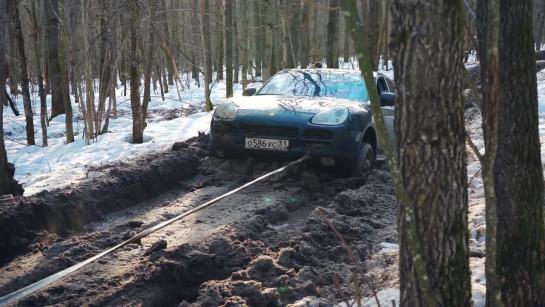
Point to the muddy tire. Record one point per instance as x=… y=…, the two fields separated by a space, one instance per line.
x=364 y=162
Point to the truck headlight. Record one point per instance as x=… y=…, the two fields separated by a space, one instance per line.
x=226 y=111
x=332 y=117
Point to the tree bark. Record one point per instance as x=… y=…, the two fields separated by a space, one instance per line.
x=205 y=36
x=228 y=48
x=332 y=34
x=14 y=8
x=148 y=64
x=134 y=61
x=53 y=65
x=196 y=39
x=259 y=37
x=164 y=17
x=105 y=68
x=373 y=28
x=245 y=41
x=65 y=91
x=8 y=185
x=518 y=173
x=305 y=33
x=220 y=26
x=41 y=89
x=431 y=150
x=236 y=61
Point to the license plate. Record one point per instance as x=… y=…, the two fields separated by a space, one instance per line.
x=267 y=144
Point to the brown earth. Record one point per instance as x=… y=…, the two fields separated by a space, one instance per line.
x=268 y=245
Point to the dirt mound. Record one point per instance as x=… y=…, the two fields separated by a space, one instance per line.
x=312 y=262
x=114 y=187
x=10 y=185
x=268 y=245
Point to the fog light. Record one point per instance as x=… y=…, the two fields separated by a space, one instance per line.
x=326 y=161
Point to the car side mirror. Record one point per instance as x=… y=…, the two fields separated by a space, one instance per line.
x=387 y=99
x=249 y=91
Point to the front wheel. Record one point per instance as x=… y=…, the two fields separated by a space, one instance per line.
x=364 y=161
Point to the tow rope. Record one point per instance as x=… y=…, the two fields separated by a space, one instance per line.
x=19 y=294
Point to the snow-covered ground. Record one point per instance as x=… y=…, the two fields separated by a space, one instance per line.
x=59 y=164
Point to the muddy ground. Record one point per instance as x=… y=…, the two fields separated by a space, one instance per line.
x=269 y=245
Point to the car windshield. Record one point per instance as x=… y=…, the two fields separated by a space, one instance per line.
x=317 y=83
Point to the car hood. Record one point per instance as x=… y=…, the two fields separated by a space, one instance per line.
x=310 y=105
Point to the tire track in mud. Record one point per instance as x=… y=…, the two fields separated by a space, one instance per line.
x=235 y=246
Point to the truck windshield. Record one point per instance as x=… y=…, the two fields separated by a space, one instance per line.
x=318 y=83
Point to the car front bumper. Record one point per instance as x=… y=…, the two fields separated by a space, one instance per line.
x=337 y=142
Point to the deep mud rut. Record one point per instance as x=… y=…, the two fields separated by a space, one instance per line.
x=268 y=245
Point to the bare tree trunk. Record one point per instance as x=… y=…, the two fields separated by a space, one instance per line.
x=236 y=61
x=220 y=27
x=245 y=42
x=355 y=25
x=260 y=36
x=105 y=68
x=431 y=149
x=8 y=185
x=196 y=39
x=53 y=65
x=164 y=21
x=134 y=61
x=518 y=173
x=205 y=35
x=305 y=33
x=373 y=30
x=89 y=106
x=41 y=89
x=65 y=91
x=489 y=37
x=228 y=48
x=346 y=48
x=332 y=34
x=14 y=8
x=148 y=63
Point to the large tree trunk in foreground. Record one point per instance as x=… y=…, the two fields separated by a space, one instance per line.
x=8 y=185
x=431 y=150
x=53 y=65
x=520 y=254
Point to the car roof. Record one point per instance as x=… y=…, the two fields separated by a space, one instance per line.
x=333 y=70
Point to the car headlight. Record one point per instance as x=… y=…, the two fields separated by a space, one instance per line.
x=226 y=111
x=332 y=117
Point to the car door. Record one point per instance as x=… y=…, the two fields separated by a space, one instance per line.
x=385 y=85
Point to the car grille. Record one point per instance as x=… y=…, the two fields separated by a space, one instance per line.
x=273 y=131
x=318 y=134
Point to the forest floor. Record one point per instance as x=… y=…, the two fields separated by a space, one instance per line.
x=266 y=246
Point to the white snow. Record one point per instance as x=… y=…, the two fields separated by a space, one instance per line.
x=59 y=164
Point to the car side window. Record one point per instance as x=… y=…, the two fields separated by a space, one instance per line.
x=382 y=86
x=391 y=85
